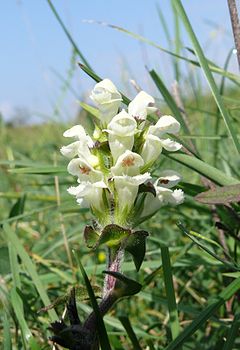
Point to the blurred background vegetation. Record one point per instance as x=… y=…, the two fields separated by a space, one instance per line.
x=43 y=223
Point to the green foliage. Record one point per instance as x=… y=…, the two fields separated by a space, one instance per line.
x=189 y=276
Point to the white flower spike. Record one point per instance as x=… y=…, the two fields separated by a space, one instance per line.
x=107 y=98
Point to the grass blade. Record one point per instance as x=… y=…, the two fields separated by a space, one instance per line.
x=226 y=294
x=233 y=333
x=168 y=280
x=7 y=342
x=207 y=72
x=103 y=337
x=130 y=332
x=203 y=168
x=30 y=267
x=68 y=34
x=27 y=335
x=95 y=77
x=214 y=68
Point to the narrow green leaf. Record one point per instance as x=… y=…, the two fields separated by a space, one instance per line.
x=124 y=286
x=68 y=34
x=7 y=342
x=209 y=251
x=220 y=195
x=18 y=207
x=205 y=67
x=169 y=99
x=233 y=333
x=92 y=110
x=95 y=77
x=130 y=332
x=40 y=170
x=168 y=280
x=213 y=66
x=30 y=267
x=208 y=312
x=103 y=337
x=17 y=306
x=202 y=168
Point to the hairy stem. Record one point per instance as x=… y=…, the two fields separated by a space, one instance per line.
x=115 y=258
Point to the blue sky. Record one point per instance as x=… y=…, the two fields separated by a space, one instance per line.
x=35 y=50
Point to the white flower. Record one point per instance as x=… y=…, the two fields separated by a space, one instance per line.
x=129 y=163
x=127 y=178
x=127 y=189
x=121 y=131
x=142 y=105
x=164 y=194
x=89 y=194
x=155 y=141
x=81 y=168
x=107 y=98
x=80 y=147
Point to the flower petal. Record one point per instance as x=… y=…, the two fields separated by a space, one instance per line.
x=151 y=149
x=71 y=150
x=141 y=105
x=170 y=145
x=168 y=179
x=128 y=163
x=122 y=125
x=166 y=124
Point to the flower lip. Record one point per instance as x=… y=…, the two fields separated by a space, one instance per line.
x=168 y=179
x=128 y=163
x=122 y=125
x=142 y=105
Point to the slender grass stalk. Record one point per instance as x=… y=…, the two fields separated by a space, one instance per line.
x=209 y=311
x=82 y=57
x=170 y=292
x=61 y=220
x=207 y=72
x=235 y=26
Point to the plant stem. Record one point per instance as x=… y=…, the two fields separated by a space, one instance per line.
x=235 y=26
x=115 y=258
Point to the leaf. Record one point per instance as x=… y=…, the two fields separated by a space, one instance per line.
x=44 y=170
x=124 y=286
x=103 y=337
x=130 y=332
x=90 y=236
x=147 y=188
x=17 y=306
x=112 y=235
x=168 y=281
x=81 y=294
x=208 y=74
x=220 y=195
x=95 y=77
x=202 y=168
x=136 y=246
x=67 y=33
x=92 y=110
x=232 y=333
x=18 y=207
x=208 y=311
x=29 y=265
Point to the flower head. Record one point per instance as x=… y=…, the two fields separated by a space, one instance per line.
x=107 y=98
x=110 y=171
x=155 y=139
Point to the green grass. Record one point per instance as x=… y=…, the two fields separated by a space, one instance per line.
x=190 y=274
